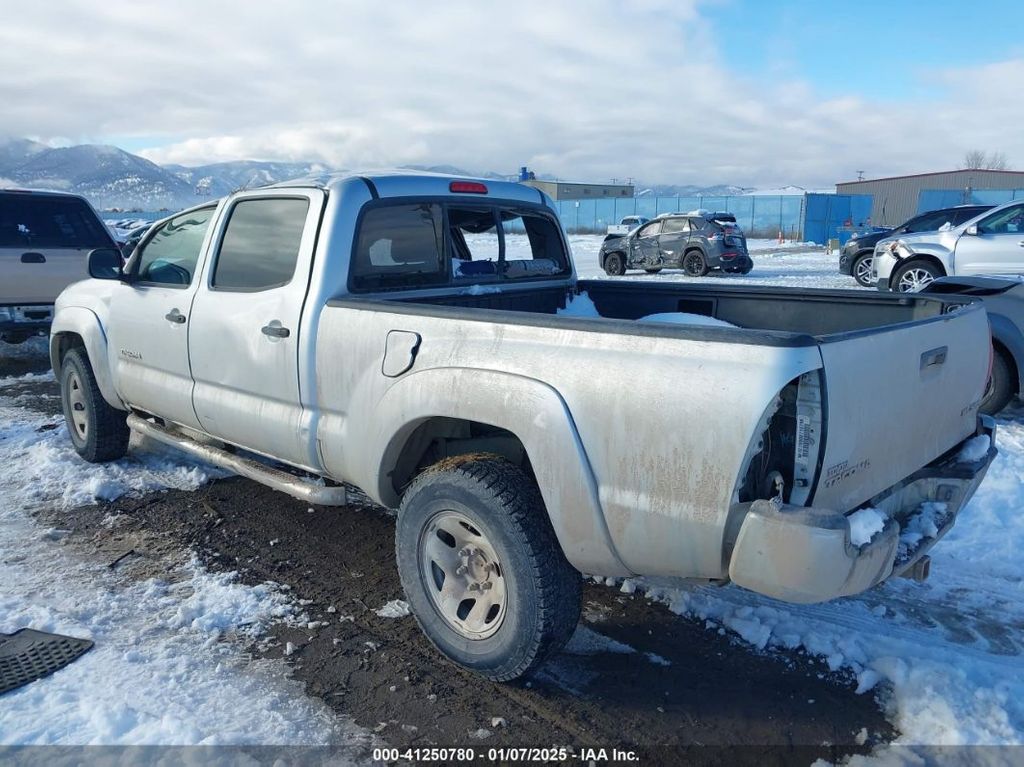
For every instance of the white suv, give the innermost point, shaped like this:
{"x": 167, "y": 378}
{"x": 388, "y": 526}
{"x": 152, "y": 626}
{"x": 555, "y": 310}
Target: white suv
{"x": 990, "y": 243}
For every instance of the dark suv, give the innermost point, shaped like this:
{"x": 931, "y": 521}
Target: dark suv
{"x": 695, "y": 242}
{"x": 855, "y": 257}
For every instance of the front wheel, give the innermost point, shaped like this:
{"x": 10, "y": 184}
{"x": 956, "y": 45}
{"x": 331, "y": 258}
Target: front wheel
{"x": 694, "y": 264}
{"x": 482, "y": 568}
{"x": 615, "y": 265}
{"x": 98, "y": 431}
{"x": 861, "y": 270}
{"x": 914, "y": 275}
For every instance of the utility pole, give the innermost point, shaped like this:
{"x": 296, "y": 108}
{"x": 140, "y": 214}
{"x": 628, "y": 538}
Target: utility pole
{"x": 860, "y": 175}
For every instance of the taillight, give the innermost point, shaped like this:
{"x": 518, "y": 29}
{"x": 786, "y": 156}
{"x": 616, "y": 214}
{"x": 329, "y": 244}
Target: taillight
{"x": 467, "y": 187}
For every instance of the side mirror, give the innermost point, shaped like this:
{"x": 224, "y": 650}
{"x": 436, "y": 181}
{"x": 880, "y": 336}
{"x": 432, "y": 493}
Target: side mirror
{"x": 105, "y": 264}
{"x": 972, "y": 230}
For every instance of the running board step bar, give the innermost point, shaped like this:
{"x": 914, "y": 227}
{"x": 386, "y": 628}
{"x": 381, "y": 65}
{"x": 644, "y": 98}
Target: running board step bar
{"x": 303, "y": 489}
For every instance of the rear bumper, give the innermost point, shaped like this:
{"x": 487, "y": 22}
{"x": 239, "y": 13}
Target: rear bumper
{"x": 740, "y": 263}
{"x": 805, "y": 555}
{"x": 25, "y": 319}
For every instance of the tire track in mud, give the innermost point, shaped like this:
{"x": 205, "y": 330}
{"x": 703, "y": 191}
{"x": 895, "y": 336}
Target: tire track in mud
{"x": 640, "y": 676}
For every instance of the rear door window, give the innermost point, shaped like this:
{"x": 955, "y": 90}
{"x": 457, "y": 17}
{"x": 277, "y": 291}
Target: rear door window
{"x": 675, "y": 225}
{"x": 260, "y": 246}
{"x": 48, "y": 221}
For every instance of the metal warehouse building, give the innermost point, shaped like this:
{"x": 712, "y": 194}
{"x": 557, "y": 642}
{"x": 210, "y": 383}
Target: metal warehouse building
{"x": 572, "y": 190}
{"x": 896, "y": 198}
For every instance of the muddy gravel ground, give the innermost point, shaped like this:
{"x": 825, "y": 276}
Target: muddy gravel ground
{"x": 636, "y": 675}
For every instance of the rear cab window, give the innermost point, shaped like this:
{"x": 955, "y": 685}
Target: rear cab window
{"x": 47, "y": 222}
{"x": 402, "y": 244}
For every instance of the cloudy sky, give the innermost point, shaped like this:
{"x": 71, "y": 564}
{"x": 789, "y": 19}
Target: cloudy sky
{"x": 751, "y": 92}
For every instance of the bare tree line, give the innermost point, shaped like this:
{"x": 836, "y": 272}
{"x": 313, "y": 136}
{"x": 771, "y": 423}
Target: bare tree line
{"x": 979, "y": 159}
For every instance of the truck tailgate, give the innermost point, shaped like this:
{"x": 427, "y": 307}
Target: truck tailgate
{"x": 897, "y": 398}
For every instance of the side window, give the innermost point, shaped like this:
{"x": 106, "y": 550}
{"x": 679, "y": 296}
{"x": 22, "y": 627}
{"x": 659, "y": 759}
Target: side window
{"x": 1008, "y": 221}
{"x": 650, "y": 230}
{"x": 929, "y": 222}
{"x": 49, "y": 221}
{"x": 260, "y": 244}
{"x": 169, "y": 257}
{"x": 675, "y": 225}
{"x": 399, "y": 246}
{"x": 533, "y": 246}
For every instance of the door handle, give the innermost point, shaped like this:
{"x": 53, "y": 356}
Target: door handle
{"x": 175, "y": 316}
{"x": 33, "y": 258}
{"x": 275, "y": 331}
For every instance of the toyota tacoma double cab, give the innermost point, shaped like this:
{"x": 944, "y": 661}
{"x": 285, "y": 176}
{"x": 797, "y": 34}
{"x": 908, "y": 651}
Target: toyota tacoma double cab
{"x": 695, "y": 242}
{"x": 406, "y": 334}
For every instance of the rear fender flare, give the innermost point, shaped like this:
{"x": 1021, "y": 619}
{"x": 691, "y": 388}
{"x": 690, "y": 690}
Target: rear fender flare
{"x": 1009, "y": 336}
{"x": 531, "y": 410}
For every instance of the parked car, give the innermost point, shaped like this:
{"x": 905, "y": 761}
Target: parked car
{"x": 855, "y": 256}
{"x": 695, "y": 242}
{"x": 44, "y": 240}
{"x": 1004, "y": 302}
{"x": 327, "y": 327}
{"x": 627, "y": 224}
{"x": 990, "y": 243}
{"x": 132, "y": 238}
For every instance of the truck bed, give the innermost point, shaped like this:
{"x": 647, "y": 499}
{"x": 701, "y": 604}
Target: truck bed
{"x": 812, "y": 312}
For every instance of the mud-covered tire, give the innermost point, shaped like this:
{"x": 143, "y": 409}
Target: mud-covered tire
{"x": 494, "y": 499}
{"x": 1001, "y": 387}
{"x": 694, "y": 263}
{"x": 615, "y": 265}
{"x": 98, "y": 432}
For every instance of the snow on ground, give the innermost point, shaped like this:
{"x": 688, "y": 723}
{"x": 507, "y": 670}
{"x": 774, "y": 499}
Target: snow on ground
{"x": 157, "y": 674}
{"x": 792, "y": 264}
{"x": 947, "y": 656}
{"x": 948, "y": 651}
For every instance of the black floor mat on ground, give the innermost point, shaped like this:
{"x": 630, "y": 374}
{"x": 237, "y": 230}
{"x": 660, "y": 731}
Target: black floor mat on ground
{"x": 28, "y": 655}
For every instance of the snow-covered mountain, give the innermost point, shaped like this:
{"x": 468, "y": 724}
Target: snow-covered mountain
{"x": 113, "y": 178}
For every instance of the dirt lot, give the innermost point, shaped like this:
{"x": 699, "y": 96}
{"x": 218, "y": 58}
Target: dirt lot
{"x": 635, "y": 674}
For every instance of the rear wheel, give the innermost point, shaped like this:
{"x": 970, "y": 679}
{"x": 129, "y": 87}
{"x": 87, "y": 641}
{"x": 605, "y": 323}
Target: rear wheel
{"x": 1000, "y": 386}
{"x": 98, "y": 431}
{"x": 482, "y": 568}
{"x": 694, "y": 264}
{"x": 615, "y": 265}
{"x": 861, "y": 269}
{"x": 914, "y": 275}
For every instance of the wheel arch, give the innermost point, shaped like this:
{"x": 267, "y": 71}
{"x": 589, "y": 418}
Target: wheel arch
{"x": 487, "y": 411}
{"x": 1008, "y": 340}
{"x": 927, "y": 258}
{"x": 77, "y": 327}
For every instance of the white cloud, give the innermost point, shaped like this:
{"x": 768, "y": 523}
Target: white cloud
{"x": 581, "y": 89}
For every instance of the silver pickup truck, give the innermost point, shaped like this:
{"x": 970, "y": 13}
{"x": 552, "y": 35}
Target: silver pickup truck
{"x": 407, "y": 334}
